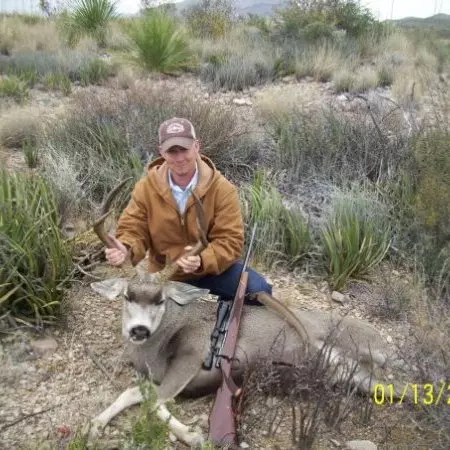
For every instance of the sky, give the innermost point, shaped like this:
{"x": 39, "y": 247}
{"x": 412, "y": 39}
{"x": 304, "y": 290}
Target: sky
{"x": 382, "y": 9}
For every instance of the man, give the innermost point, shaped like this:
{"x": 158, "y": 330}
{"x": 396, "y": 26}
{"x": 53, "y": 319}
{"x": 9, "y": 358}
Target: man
{"x": 161, "y": 217}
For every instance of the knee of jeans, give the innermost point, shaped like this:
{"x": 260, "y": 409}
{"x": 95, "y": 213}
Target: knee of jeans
{"x": 261, "y": 285}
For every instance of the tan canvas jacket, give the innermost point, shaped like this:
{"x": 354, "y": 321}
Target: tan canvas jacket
{"x": 152, "y": 221}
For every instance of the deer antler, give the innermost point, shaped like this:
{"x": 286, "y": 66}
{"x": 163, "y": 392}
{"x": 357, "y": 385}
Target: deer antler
{"x": 169, "y": 271}
{"x": 99, "y": 224}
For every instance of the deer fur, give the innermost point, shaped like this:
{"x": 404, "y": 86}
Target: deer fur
{"x": 179, "y": 328}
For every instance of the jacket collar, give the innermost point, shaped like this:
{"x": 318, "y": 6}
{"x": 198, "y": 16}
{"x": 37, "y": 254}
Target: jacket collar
{"x": 158, "y": 175}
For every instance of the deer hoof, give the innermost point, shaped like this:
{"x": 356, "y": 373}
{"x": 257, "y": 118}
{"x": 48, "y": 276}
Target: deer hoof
{"x": 194, "y": 439}
{"x": 96, "y": 428}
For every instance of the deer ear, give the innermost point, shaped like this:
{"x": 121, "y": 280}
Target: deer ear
{"x": 111, "y": 288}
{"x": 183, "y": 293}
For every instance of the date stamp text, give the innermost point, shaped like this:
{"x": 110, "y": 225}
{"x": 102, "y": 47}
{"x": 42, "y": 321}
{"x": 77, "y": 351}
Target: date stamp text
{"x": 427, "y": 394}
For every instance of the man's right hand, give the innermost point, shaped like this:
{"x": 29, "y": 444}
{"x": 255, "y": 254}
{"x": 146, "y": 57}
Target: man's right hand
{"x": 116, "y": 256}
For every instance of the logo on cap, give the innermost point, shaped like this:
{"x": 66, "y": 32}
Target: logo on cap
{"x": 175, "y": 128}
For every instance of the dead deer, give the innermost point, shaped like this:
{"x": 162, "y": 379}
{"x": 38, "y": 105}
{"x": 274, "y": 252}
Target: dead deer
{"x": 167, "y": 334}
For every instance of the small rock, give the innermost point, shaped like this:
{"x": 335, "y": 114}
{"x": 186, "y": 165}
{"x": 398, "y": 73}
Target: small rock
{"x": 389, "y": 339}
{"x": 338, "y": 297}
{"x": 342, "y": 98}
{"x": 242, "y": 102}
{"x": 45, "y": 346}
{"x": 360, "y": 445}
{"x": 206, "y": 95}
{"x": 396, "y": 273}
{"x": 203, "y": 420}
{"x": 288, "y": 79}
{"x": 244, "y": 445}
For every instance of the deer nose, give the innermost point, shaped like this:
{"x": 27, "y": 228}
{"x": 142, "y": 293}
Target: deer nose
{"x": 139, "y": 333}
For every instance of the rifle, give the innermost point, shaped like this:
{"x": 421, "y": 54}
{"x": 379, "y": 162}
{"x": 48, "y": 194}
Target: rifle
{"x": 222, "y": 422}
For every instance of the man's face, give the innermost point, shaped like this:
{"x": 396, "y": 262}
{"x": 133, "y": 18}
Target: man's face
{"x": 181, "y": 161}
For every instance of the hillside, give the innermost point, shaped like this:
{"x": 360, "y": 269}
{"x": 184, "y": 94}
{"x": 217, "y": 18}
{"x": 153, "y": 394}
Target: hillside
{"x": 436, "y": 21}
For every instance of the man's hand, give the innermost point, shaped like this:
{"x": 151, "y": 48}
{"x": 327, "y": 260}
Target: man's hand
{"x": 189, "y": 264}
{"x": 116, "y": 256}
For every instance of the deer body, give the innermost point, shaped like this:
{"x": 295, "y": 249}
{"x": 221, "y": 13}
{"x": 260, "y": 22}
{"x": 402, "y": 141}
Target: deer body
{"x": 169, "y": 341}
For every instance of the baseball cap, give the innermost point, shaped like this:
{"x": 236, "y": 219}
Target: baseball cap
{"x": 176, "y": 131}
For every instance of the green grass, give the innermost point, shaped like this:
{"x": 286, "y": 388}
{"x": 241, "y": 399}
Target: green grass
{"x": 88, "y": 18}
{"x": 13, "y": 87}
{"x": 161, "y": 44}
{"x": 283, "y": 234}
{"x": 34, "y": 260}
{"x": 356, "y": 238}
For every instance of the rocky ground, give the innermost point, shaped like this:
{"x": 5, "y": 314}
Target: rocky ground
{"x": 54, "y": 382}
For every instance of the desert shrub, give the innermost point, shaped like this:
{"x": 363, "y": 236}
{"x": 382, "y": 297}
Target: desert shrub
{"x": 20, "y": 125}
{"x": 58, "y": 81}
{"x": 35, "y": 261}
{"x": 13, "y": 87}
{"x": 327, "y": 145}
{"x": 318, "y": 62}
{"x": 30, "y": 152}
{"x": 283, "y": 234}
{"x": 118, "y": 132}
{"x": 88, "y": 17}
{"x": 210, "y": 18}
{"x": 160, "y": 43}
{"x": 310, "y": 395}
{"x": 237, "y": 72}
{"x": 6, "y": 41}
{"x": 356, "y": 237}
{"x": 259, "y": 22}
{"x": 95, "y": 71}
{"x": 432, "y": 155}
{"x": 386, "y": 74}
{"x": 344, "y": 80}
{"x": 366, "y": 78}
{"x": 316, "y": 20}
{"x": 355, "y": 19}
{"x": 35, "y": 66}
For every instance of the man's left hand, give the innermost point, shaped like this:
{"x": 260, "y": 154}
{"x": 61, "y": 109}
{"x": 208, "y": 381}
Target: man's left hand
{"x": 189, "y": 264}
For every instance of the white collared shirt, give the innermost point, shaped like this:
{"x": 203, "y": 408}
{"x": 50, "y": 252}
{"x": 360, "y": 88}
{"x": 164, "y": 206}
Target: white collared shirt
{"x": 182, "y": 195}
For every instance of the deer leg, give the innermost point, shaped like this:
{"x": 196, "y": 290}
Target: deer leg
{"x": 181, "y": 431}
{"x": 130, "y": 397}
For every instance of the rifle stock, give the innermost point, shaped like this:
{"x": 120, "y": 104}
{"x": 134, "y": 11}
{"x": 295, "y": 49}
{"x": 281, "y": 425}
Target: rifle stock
{"x": 222, "y": 422}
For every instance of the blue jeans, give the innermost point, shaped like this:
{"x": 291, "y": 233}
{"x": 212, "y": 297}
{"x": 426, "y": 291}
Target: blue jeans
{"x": 225, "y": 284}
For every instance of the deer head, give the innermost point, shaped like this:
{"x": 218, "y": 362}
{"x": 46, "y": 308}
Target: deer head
{"x": 145, "y": 295}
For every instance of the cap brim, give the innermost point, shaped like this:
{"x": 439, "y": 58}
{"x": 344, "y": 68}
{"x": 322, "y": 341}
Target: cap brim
{"x": 176, "y": 141}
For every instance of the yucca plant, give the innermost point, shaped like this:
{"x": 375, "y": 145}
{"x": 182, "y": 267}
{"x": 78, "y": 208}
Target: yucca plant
{"x": 34, "y": 260}
{"x": 356, "y": 238}
{"x": 89, "y": 18}
{"x": 283, "y": 234}
{"x": 161, "y": 45}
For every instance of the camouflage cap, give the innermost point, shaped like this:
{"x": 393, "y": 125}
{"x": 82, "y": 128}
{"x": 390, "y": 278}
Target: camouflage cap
{"x": 176, "y": 131}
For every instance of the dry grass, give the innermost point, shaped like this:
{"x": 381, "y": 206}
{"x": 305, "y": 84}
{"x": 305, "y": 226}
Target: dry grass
{"x": 344, "y": 79}
{"x": 17, "y": 36}
{"x": 366, "y": 78}
{"x": 319, "y": 63}
{"x": 408, "y": 88}
{"x": 20, "y": 125}
{"x": 276, "y": 103}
